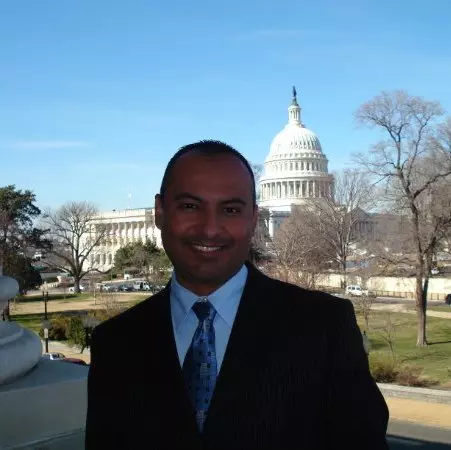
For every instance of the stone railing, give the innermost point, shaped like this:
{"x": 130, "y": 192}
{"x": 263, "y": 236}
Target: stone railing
{"x": 42, "y": 402}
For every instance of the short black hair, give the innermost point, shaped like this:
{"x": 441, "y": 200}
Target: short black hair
{"x": 207, "y": 148}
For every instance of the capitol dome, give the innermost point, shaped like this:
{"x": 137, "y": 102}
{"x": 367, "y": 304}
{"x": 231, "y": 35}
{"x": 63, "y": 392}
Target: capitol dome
{"x": 295, "y": 139}
{"x": 296, "y": 169}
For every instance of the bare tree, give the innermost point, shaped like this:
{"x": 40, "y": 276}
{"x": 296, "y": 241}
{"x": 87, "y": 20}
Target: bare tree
{"x": 363, "y": 305}
{"x": 414, "y": 161}
{"x": 257, "y": 169}
{"x": 339, "y": 220}
{"x": 297, "y": 255}
{"x": 74, "y": 235}
{"x": 388, "y": 334}
{"x": 258, "y": 252}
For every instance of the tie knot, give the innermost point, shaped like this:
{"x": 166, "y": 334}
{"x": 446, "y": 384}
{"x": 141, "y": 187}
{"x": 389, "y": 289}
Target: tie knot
{"x": 204, "y": 310}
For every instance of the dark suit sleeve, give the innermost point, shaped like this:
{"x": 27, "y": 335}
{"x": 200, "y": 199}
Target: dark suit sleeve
{"x": 101, "y": 431}
{"x": 357, "y": 413}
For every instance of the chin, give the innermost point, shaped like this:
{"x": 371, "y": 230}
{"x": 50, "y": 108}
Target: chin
{"x": 214, "y": 274}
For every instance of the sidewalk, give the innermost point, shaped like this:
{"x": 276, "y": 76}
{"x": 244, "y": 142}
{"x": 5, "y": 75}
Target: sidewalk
{"x": 416, "y": 411}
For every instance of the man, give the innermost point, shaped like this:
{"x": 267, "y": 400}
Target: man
{"x": 225, "y": 357}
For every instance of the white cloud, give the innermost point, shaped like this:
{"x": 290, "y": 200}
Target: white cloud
{"x": 45, "y": 145}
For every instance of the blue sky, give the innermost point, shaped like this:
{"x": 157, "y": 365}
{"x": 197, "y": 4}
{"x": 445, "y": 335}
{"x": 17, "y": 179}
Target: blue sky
{"x": 95, "y": 96}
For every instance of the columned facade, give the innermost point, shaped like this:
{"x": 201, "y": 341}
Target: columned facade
{"x": 120, "y": 228}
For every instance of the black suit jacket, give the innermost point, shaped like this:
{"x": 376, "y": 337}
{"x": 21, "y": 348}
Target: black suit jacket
{"x": 294, "y": 376}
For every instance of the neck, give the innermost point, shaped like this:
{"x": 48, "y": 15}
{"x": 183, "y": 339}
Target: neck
{"x": 199, "y": 287}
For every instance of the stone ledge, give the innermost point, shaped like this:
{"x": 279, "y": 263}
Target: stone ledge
{"x": 414, "y": 393}
{"x": 45, "y": 409}
{"x": 74, "y": 440}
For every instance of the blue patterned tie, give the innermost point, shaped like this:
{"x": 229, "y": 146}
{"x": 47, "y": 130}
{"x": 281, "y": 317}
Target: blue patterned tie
{"x": 199, "y": 368}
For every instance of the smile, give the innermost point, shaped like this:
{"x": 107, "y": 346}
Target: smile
{"x": 205, "y": 248}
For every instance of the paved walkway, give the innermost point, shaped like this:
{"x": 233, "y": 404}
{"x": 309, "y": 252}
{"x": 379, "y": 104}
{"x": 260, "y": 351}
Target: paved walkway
{"x": 425, "y": 413}
{"x": 407, "y": 309}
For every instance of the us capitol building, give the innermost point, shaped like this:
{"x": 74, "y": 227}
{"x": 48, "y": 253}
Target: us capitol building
{"x": 296, "y": 169}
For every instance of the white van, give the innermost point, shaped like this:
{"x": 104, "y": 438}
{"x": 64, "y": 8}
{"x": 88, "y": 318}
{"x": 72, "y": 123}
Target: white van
{"x": 356, "y": 289}
{"x": 141, "y": 286}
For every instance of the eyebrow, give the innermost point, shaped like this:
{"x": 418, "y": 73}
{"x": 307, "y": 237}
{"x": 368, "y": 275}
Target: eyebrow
{"x": 187, "y": 195}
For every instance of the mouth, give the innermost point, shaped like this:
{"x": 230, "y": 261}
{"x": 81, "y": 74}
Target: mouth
{"x": 207, "y": 249}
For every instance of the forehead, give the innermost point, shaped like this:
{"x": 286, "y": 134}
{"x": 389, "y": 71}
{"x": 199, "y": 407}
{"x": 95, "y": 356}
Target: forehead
{"x": 210, "y": 174}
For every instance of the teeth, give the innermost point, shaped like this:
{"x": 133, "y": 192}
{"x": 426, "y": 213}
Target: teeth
{"x": 204, "y": 248}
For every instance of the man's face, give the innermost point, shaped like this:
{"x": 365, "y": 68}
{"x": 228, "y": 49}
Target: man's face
{"x": 207, "y": 219}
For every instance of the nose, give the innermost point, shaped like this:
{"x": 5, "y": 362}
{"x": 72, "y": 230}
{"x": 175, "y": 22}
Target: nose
{"x": 211, "y": 224}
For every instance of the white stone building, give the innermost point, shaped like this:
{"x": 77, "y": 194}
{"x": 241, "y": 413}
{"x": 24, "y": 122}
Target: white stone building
{"x": 295, "y": 169}
{"x": 122, "y": 227}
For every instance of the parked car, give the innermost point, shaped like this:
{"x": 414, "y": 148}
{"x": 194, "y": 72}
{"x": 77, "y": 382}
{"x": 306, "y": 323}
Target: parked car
{"x": 110, "y": 288}
{"x": 71, "y": 290}
{"x": 355, "y": 289}
{"x": 54, "y": 356}
{"x": 76, "y": 361}
{"x": 124, "y": 288}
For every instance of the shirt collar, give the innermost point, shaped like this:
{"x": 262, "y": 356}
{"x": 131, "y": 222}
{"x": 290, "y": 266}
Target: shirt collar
{"x": 224, "y": 299}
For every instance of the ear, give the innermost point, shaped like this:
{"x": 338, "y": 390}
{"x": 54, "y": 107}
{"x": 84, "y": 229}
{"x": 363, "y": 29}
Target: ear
{"x": 159, "y": 213}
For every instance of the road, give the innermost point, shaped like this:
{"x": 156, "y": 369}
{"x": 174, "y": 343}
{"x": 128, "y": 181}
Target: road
{"x": 404, "y": 435}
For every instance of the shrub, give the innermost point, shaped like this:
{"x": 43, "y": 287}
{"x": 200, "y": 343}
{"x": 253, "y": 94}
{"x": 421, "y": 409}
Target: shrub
{"x": 76, "y": 332}
{"x": 58, "y": 331}
{"x": 382, "y": 368}
{"x": 413, "y": 376}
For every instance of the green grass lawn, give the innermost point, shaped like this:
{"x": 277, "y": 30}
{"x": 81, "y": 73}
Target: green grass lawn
{"x": 435, "y": 358}
{"x": 444, "y": 308}
{"x": 32, "y": 321}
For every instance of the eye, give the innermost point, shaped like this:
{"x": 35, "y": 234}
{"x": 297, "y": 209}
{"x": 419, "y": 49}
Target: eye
{"x": 232, "y": 210}
{"x": 189, "y": 206}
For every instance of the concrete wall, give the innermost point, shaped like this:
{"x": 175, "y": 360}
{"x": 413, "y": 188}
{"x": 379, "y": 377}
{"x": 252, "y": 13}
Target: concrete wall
{"x": 439, "y": 287}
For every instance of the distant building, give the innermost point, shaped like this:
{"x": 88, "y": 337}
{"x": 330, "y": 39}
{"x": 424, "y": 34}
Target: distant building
{"x": 123, "y": 226}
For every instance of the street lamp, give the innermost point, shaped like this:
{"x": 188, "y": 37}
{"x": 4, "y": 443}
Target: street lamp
{"x": 89, "y": 323}
{"x": 46, "y": 325}
{"x": 45, "y": 297}
{"x": 366, "y": 343}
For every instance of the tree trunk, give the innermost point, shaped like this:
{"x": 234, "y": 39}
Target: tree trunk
{"x": 419, "y": 274}
{"x": 343, "y": 270}
{"x": 421, "y": 310}
{"x": 76, "y": 285}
